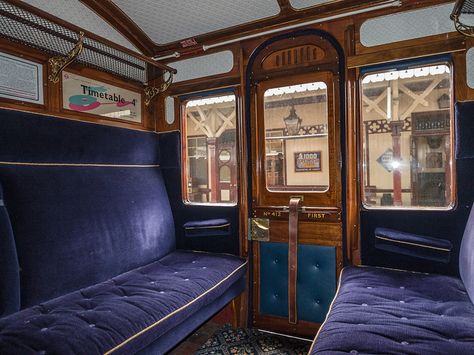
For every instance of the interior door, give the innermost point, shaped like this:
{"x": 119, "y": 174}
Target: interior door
{"x": 227, "y": 172}
{"x": 296, "y": 185}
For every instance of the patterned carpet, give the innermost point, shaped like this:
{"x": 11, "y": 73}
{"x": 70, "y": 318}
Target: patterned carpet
{"x": 229, "y": 341}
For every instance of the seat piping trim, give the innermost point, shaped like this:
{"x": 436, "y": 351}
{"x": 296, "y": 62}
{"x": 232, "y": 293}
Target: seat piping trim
{"x": 208, "y": 227}
{"x": 175, "y": 311}
{"x": 80, "y": 164}
{"x": 410, "y": 243}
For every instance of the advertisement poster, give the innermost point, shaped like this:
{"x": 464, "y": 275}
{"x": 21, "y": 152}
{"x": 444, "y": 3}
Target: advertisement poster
{"x": 307, "y": 161}
{"x": 21, "y": 79}
{"x": 386, "y": 160}
{"x": 90, "y": 96}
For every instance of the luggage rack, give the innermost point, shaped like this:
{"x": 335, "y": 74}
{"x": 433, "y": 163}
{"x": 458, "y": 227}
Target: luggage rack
{"x": 464, "y": 10}
{"x": 22, "y": 23}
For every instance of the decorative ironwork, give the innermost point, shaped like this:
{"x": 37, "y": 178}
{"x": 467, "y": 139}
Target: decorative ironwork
{"x": 463, "y": 7}
{"x": 58, "y": 63}
{"x": 313, "y": 99}
{"x": 383, "y": 126}
{"x": 318, "y": 129}
{"x": 313, "y": 129}
{"x": 152, "y": 91}
{"x": 432, "y": 124}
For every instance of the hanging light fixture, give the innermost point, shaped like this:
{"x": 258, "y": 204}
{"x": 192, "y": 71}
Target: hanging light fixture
{"x": 292, "y": 122}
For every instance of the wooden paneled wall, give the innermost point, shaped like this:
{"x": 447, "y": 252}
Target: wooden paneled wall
{"x": 53, "y": 92}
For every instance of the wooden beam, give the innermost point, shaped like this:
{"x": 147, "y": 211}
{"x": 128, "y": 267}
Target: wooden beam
{"x": 285, "y": 6}
{"x": 420, "y": 99}
{"x": 120, "y": 21}
{"x": 373, "y": 105}
{"x": 424, "y": 48}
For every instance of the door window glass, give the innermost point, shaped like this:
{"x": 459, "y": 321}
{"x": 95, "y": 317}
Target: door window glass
{"x": 296, "y": 138}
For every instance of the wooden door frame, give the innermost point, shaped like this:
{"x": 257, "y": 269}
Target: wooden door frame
{"x": 271, "y": 322}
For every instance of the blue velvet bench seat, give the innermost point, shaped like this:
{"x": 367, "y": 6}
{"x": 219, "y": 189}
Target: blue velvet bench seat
{"x": 382, "y": 311}
{"x": 126, "y": 312}
{"x": 89, "y": 262}
{"x": 386, "y": 311}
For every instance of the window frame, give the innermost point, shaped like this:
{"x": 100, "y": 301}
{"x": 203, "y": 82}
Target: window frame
{"x": 322, "y": 199}
{"x": 182, "y": 102}
{"x": 401, "y": 65}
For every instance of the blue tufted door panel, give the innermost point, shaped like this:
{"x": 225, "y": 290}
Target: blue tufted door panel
{"x": 316, "y": 281}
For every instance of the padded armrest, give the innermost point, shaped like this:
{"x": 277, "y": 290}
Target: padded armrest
{"x": 207, "y": 228}
{"x": 418, "y": 246}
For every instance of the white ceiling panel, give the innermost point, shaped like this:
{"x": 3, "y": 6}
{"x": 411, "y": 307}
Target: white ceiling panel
{"x": 169, "y": 21}
{"x": 80, "y": 15}
{"x": 302, "y": 4}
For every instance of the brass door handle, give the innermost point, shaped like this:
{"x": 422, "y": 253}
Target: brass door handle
{"x": 259, "y": 229}
{"x": 260, "y": 225}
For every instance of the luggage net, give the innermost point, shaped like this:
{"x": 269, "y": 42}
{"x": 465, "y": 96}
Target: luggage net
{"x": 463, "y": 17}
{"x": 22, "y": 26}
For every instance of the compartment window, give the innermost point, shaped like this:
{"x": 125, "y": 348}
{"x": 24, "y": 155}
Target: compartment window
{"x": 211, "y": 154}
{"x": 406, "y": 136}
{"x": 296, "y": 138}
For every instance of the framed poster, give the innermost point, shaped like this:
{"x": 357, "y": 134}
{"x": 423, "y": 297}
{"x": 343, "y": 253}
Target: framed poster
{"x": 21, "y": 79}
{"x": 86, "y": 95}
{"x": 307, "y": 161}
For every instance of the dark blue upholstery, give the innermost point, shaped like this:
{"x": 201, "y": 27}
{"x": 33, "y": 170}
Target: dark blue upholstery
{"x": 227, "y": 242}
{"x": 90, "y": 222}
{"x": 125, "y": 313}
{"x": 382, "y": 311}
{"x": 418, "y": 246}
{"x": 169, "y": 340}
{"x": 464, "y": 130}
{"x": 316, "y": 280}
{"x": 444, "y": 224}
{"x": 208, "y": 227}
{"x": 388, "y": 311}
{"x": 87, "y": 243}
{"x": 28, "y": 137}
{"x": 466, "y": 257}
{"x": 9, "y": 275}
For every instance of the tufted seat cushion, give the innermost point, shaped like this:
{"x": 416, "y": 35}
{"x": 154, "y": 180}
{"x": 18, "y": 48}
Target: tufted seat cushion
{"x": 126, "y": 313}
{"x": 382, "y": 311}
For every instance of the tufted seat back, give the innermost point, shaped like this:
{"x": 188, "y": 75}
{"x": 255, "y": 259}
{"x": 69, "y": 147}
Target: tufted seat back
{"x": 466, "y": 256}
{"x": 85, "y": 203}
{"x": 9, "y": 277}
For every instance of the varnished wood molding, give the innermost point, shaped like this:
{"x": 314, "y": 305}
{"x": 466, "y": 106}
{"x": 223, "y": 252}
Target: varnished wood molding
{"x": 119, "y": 20}
{"x": 424, "y": 49}
{"x": 285, "y": 6}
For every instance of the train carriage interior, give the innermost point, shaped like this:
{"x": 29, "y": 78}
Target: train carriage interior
{"x": 236, "y": 177}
